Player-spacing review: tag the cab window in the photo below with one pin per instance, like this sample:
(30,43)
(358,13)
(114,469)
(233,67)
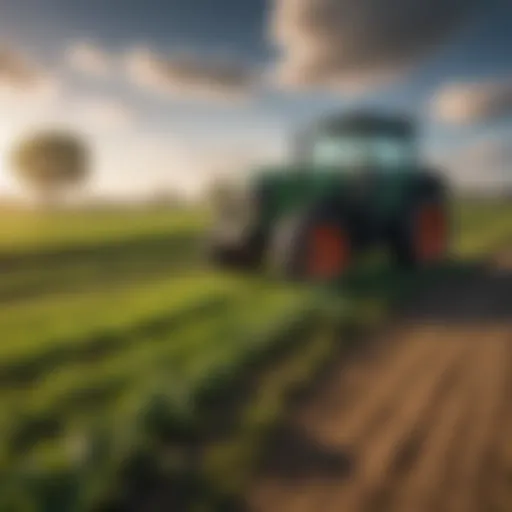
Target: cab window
(385,153)
(392,153)
(341,151)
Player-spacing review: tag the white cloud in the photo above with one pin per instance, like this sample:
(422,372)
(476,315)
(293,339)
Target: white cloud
(351,44)
(483,164)
(465,103)
(91,116)
(16,101)
(88,58)
(189,76)
(139,165)
(104,113)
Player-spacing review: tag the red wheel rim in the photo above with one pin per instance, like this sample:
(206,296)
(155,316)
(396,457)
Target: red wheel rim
(328,252)
(431,233)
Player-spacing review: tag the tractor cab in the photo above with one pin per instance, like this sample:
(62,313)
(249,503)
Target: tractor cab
(361,143)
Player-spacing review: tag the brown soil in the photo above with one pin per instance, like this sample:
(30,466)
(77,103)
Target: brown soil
(420,420)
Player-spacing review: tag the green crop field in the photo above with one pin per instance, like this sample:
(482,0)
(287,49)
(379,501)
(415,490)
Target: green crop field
(119,348)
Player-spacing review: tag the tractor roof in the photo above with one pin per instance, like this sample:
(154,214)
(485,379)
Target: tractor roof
(369,123)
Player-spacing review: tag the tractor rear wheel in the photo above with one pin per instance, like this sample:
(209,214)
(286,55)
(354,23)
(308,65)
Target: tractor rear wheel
(315,246)
(422,237)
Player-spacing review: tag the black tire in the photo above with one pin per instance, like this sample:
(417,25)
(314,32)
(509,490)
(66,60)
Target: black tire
(288,251)
(403,234)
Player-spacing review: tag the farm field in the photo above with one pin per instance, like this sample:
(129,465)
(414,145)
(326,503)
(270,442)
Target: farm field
(417,418)
(119,346)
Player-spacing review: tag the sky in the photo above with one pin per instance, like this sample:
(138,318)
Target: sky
(170,93)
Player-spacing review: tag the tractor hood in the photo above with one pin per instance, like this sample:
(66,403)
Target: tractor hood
(285,187)
(282,189)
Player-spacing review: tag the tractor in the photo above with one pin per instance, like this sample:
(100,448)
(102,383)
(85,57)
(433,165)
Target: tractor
(357,183)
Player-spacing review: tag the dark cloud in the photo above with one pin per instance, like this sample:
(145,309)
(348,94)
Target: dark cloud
(466,103)
(189,76)
(353,43)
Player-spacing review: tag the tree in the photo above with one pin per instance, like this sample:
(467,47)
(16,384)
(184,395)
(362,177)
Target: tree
(51,163)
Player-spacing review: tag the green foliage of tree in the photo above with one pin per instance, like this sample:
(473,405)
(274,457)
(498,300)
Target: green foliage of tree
(51,162)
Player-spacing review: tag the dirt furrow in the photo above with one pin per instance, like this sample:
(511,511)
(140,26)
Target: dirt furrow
(489,394)
(497,479)
(378,456)
(370,402)
(375,398)
(420,488)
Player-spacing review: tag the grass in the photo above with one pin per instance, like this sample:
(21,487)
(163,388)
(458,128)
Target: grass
(482,227)
(70,327)
(119,350)
(26,232)
(54,253)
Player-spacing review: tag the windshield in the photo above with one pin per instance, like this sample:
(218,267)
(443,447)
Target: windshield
(357,151)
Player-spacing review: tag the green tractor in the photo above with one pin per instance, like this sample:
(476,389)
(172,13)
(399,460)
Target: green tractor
(357,185)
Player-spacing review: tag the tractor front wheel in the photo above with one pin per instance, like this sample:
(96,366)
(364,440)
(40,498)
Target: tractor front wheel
(314,247)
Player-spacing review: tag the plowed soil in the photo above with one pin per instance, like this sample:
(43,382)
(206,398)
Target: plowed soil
(417,420)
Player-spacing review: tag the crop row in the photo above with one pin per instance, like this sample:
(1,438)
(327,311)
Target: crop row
(45,333)
(159,386)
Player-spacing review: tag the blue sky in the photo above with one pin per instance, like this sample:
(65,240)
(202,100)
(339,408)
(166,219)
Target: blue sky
(188,137)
